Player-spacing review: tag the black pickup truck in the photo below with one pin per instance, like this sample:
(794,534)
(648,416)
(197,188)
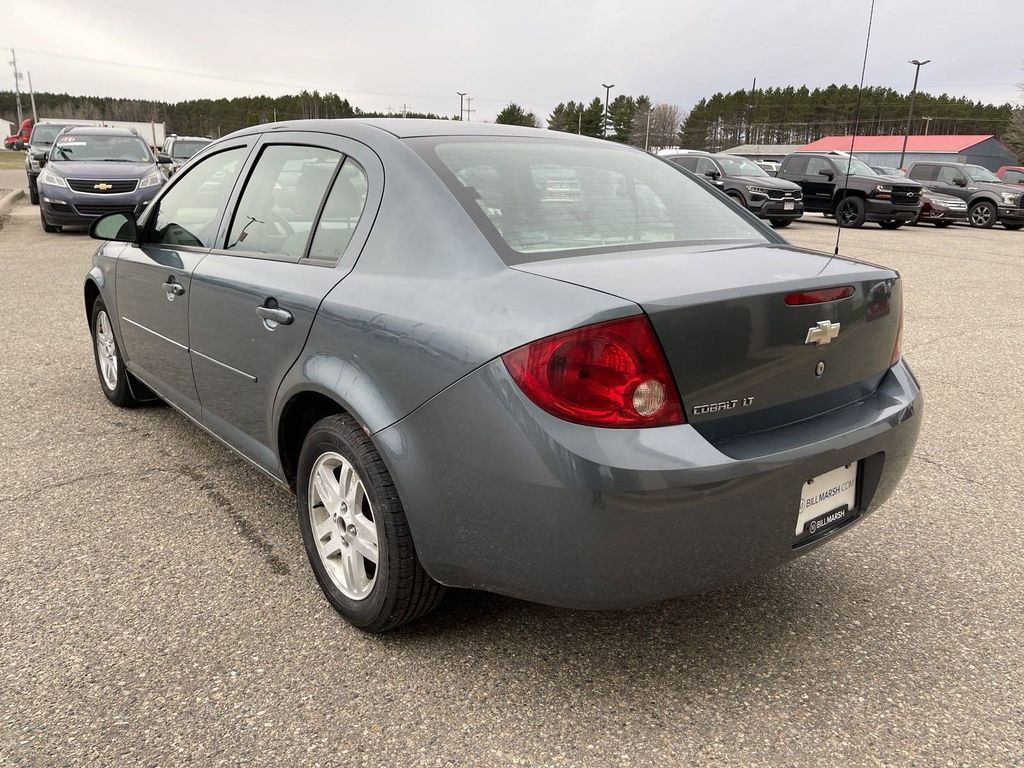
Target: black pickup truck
(853,199)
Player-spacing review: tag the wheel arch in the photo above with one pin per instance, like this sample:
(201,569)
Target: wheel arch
(91,293)
(841,194)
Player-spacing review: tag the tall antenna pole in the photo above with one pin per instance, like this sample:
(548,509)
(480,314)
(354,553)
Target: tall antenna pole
(461,95)
(32,95)
(17,86)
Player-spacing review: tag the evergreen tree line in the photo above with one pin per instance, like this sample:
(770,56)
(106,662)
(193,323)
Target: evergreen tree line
(630,120)
(200,117)
(800,115)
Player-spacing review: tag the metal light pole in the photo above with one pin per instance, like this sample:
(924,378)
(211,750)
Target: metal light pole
(462,95)
(913,93)
(604,126)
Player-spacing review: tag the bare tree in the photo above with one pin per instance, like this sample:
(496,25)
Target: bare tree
(666,121)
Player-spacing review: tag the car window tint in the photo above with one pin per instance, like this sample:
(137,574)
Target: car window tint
(549,197)
(279,203)
(923,172)
(341,213)
(815,165)
(187,213)
(795,165)
(949,175)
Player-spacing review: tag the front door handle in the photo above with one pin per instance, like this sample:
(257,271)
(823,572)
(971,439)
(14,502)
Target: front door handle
(274,316)
(173,288)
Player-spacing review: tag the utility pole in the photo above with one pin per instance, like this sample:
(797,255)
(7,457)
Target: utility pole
(927,123)
(462,95)
(32,95)
(647,135)
(913,93)
(469,109)
(604,126)
(17,86)
(579,121)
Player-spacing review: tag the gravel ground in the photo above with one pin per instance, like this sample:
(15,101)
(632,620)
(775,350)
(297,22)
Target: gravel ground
(158,608)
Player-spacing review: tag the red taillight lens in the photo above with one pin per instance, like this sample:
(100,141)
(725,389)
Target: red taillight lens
(611,374)
(819,296)
(897,350)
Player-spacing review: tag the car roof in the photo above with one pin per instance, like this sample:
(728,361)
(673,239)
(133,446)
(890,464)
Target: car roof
(95,130)
(408,128)
(190,138)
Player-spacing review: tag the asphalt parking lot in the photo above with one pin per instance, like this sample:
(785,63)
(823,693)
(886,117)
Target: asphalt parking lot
(158,608)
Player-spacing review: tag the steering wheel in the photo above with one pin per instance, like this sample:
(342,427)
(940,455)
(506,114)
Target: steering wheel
(275,218)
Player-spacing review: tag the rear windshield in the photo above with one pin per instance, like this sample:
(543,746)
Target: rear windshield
(537,199)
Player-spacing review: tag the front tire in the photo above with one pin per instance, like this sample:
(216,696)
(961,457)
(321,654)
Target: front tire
(47,226)
(983,215)
(109,363)
(33,193)
(851,212)
(890,224)
(1013,227)
(355,530)
(781,223)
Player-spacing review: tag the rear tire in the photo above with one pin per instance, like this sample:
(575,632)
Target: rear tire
(33,193)
(109,363)
(346,497)
(47,226)
(781,223)
(890,224)
(983,215)
(737,198)
(850,212)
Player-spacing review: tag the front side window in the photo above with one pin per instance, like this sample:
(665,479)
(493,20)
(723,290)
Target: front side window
(794,165)
(949,175)
(535,198)
(817,165)
(276,211)
(187,214)
(183,150)
(341,213)
(85,147)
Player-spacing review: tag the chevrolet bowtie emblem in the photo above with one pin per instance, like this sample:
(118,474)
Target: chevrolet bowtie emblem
(102,186)
(822,333)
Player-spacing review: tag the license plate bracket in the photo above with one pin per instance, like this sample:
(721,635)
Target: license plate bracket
(827,502)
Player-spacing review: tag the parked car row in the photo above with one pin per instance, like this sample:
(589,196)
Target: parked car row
(843,186)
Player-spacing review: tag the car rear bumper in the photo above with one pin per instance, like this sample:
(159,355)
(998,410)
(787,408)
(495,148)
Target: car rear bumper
(504,497)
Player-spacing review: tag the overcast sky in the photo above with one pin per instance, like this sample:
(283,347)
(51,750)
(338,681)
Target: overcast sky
(534,52)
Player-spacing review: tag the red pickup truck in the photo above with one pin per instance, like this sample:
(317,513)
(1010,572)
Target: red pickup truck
(1011,174)
(19,140)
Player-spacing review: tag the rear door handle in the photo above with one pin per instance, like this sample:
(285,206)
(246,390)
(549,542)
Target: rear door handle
(274,316)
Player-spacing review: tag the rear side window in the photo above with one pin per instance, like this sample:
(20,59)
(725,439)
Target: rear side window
(687,162)
(535,198)
(280,201)
(188,211)
(795,165)
(923,172)
(1013,177)
(341,213)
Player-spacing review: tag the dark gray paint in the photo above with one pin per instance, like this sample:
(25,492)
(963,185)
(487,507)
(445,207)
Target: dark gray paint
(405,333)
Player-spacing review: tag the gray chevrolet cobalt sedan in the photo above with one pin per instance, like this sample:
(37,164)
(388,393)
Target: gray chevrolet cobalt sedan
(506,359)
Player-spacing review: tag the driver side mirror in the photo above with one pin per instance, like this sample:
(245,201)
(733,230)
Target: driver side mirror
(713,175)
(959,181)
(41,159)
(163,158)
(827,172)
(119,226)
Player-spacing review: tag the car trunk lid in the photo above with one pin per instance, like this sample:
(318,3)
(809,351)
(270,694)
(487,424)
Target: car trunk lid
(744,360)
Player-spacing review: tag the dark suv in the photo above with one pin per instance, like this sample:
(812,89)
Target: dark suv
(93,171)
(989,199)
(779,201)
(862,196)
(39,145)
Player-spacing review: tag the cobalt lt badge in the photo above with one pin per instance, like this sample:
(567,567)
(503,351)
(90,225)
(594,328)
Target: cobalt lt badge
(822,333)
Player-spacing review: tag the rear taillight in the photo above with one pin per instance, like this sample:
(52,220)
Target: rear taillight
(819,296)
(611,374)
(897,350)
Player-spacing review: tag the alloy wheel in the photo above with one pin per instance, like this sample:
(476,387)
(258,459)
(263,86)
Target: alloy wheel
(847,214)
(106,351)
(981,215)
(343,524)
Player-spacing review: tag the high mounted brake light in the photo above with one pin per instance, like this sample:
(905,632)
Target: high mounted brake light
(819,296)
(611,374)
